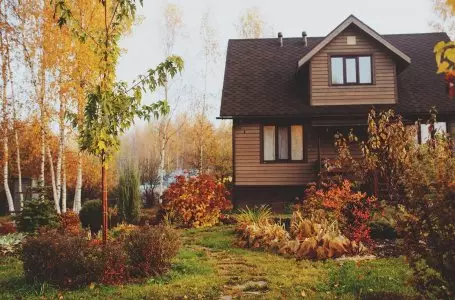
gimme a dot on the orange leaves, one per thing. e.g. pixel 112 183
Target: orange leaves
pixel 197 201
pixel 351 209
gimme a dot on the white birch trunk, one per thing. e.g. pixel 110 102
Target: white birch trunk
pixel 63 183
pixel 9 197
pixel 77 194
pixel 43 122
pixel 16 136
pixel 54 188
pixel 58 176
pixel 19 169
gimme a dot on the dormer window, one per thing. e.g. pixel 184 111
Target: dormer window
pixel 348 70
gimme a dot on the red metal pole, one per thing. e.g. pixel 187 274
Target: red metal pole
pixel 104 199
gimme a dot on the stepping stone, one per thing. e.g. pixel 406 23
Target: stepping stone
pixel 252 286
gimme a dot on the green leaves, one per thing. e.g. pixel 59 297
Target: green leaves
pixel 109 113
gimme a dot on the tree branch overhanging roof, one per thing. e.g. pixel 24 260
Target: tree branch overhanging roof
pixel 365 28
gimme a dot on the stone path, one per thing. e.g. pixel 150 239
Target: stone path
pixel 242 280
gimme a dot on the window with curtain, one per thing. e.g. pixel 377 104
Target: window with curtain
pixel 283 143
pixel 351 69
pixel 269 142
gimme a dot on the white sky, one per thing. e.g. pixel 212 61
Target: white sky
pixel 317 18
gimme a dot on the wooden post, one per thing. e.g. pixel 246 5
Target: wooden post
pixel 104 198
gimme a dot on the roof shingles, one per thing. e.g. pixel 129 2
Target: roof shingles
pixel 261 79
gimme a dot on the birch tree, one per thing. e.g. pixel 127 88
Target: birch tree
pixel 173 22
pixel 251 24
pixel 211 55
pixel 5 115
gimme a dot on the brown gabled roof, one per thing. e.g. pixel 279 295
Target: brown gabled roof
pixel 353 21
pixel 262 79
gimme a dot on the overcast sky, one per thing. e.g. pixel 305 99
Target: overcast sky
pixel 144 45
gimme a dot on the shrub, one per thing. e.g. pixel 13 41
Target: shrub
pixel 114 261
pixel 70 223
pixel 257 215
pixel 197 201
pixel 7 227
pixel 129 199
pixel 122 230
pixel 10 244
pixel 64 260
pixel 91 215
pixel 150 250
pixel 352 210
pixel 421 182
pixel 35 214
pixel 321 239
pixel 427 226
pixel 151 216
pixel 310 238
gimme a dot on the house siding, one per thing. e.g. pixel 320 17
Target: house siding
pixel 382 91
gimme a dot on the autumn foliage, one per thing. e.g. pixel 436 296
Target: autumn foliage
pixel 196 201
pixel 73 260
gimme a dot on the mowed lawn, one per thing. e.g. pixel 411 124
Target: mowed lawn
pixel 210 266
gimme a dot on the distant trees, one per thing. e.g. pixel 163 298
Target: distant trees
pixel 251 24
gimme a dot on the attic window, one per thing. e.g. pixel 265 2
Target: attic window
pixel 348 70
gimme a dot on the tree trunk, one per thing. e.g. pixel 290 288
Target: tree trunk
pixel 77 193
pixel 19 169
pixel 16 137
pixel 77 203
pixel 43 122
pixel 63 183
pixel 60 149
pixel 9 197
pixel 104 197
pixel 54 189
pixel 161 169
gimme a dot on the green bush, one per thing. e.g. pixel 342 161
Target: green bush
pixel 35 214
pixel 150 249
pixel 91 215
pixel 129 199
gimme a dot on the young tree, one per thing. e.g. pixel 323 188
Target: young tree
pixel 173 22
pixel 211 54
pixel 112 107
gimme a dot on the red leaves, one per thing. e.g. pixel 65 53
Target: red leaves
pixel 70 223
pixel 197 201
pixel 7 227
pixel 351 209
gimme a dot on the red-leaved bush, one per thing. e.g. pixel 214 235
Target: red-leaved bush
pixel 70 223
pixel 196 201
pixel 72 260
pixel 150 250
pixel 353 210
pixel 7 227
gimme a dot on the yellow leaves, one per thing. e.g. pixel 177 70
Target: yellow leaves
pixel 445 56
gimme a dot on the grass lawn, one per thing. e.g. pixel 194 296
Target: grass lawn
pixel 209 266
